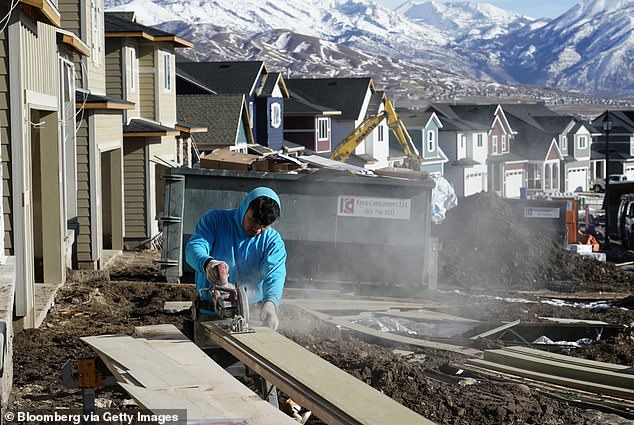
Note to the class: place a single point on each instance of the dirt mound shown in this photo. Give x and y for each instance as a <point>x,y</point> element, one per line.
<point>486,246</point>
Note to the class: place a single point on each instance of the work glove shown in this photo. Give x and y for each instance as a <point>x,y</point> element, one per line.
<point>269,316</point>
<point>213,275</point>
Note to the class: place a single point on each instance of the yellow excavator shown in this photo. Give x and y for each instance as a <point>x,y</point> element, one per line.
<point>348,145</point>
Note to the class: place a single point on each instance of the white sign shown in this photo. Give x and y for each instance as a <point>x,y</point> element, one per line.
<point>356,206</point>
<point>537,212</point>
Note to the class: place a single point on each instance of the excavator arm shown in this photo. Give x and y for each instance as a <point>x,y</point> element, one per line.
<point>348,145</point>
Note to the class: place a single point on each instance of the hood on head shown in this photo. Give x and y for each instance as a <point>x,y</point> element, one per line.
<point>256,193</point>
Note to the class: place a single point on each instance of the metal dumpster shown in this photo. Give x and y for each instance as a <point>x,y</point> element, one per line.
<point>338,228</point>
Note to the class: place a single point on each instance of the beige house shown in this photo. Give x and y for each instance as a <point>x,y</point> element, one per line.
<point>140,68</point>
<point>95,165</point>
<point>36,118</point>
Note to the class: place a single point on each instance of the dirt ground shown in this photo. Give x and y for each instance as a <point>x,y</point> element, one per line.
<point>423,381</point>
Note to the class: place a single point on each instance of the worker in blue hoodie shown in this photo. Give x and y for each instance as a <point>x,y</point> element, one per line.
<point>253,251</point>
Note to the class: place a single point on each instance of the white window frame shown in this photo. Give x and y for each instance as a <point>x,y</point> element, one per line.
<point>631,145</point>
<point>322,129</point>
<point>251,114</point>
<point>480,140</point>
<point>494,144</point>
<point>167,72</point>
<point>131,71</point>
<point>276,115</point>
<point>564,143</point>
<point>380,136</point>
<point>97,33</point>
<point>583,139</point>
<point>431,141</point>
<point>503,143</point>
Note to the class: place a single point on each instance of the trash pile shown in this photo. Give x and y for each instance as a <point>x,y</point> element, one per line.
<point>485,245</point>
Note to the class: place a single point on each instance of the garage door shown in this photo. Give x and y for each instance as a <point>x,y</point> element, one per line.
<point>577,180</point>
<point>512,183</point>
<point>472,183</point>
<point>629,172</point>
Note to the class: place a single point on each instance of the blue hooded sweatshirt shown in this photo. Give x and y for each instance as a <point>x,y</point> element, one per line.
<point>259,262</point>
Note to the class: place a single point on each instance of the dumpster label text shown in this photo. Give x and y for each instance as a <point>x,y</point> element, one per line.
<point>541,212</point>
<point>355,206</point>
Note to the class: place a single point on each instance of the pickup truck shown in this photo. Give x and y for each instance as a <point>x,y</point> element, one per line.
<point>598,185</point>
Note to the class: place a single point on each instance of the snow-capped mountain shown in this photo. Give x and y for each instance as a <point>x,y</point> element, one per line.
<point>465,20</point>
<point>424,48</point>
<point>589,48</point>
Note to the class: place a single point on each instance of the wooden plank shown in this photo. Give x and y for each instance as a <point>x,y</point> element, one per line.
<point>570,360</point>
<point>496,330</point>
<point>558,380</point>
<point>151,368</point>
<point>386,337</point>
<point>560,369</point>
<point>332,394</point>
<point>215,396</point>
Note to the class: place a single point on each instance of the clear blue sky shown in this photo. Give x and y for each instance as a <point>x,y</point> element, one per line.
<point>532,8</point>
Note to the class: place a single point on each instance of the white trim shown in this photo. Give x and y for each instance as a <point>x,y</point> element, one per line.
<point>109,146</point>
<point>24,300</point>
<point>95,201</point>
<point>148,197</point>
<point>40,101</point>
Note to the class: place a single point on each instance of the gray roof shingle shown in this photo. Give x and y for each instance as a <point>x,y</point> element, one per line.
<point>341,94</point>
<point>115,23</point>
<point>239,77</point>
<point>220,114</point>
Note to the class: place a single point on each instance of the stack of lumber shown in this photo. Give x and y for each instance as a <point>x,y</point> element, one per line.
<point>586,375</point>
<point>162,369</point>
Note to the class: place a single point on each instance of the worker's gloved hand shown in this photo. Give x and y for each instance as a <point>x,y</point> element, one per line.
<point>213,274</point>
<point>269,315</point>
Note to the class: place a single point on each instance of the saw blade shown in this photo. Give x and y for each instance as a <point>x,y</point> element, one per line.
<point>243,303</point>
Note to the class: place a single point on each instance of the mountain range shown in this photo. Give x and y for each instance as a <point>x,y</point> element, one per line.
<point>420,49</point>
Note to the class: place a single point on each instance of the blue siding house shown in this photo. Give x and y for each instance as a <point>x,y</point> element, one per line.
<point>423,129</point>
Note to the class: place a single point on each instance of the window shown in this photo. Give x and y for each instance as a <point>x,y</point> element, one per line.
<point>494,141</point>
<point>381,135</point>
<point>322,128</point>
<point>503,143</point>
<point>583,142</point>
<point>167,72</point>
<point>251,118</point>
<point>276,115</point>
<point>631,145</point>
<point>132,71</point>
<point>430,141</point>
<point>97,36</point>
<point>564,143</point>
<point>463,141</point>
<point>480,140</point>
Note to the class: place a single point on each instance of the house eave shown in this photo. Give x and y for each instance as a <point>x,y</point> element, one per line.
<point>47,11</point>
<point>71,40</point>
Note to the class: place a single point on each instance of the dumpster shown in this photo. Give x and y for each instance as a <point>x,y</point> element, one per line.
<point>338,228</point>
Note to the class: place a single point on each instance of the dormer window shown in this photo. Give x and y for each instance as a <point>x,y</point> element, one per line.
<point>564,143</point>
<point>503,143</point>
<point>431,142</point>
<point>494,142</point>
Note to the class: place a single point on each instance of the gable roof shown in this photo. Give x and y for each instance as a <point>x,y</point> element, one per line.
<point>418,119</point>
<point>239,77</point>
<point>118,25</point>
<point>374,106</point>
<point>342,94</point>
<point>531,142</point>
<point>453,121</point>
<point>298,106</point>
<point>222,115</point>
<point>623,121</point>
<point>269,82</point>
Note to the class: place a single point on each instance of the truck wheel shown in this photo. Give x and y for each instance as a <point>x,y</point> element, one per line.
<point>597,188</point>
